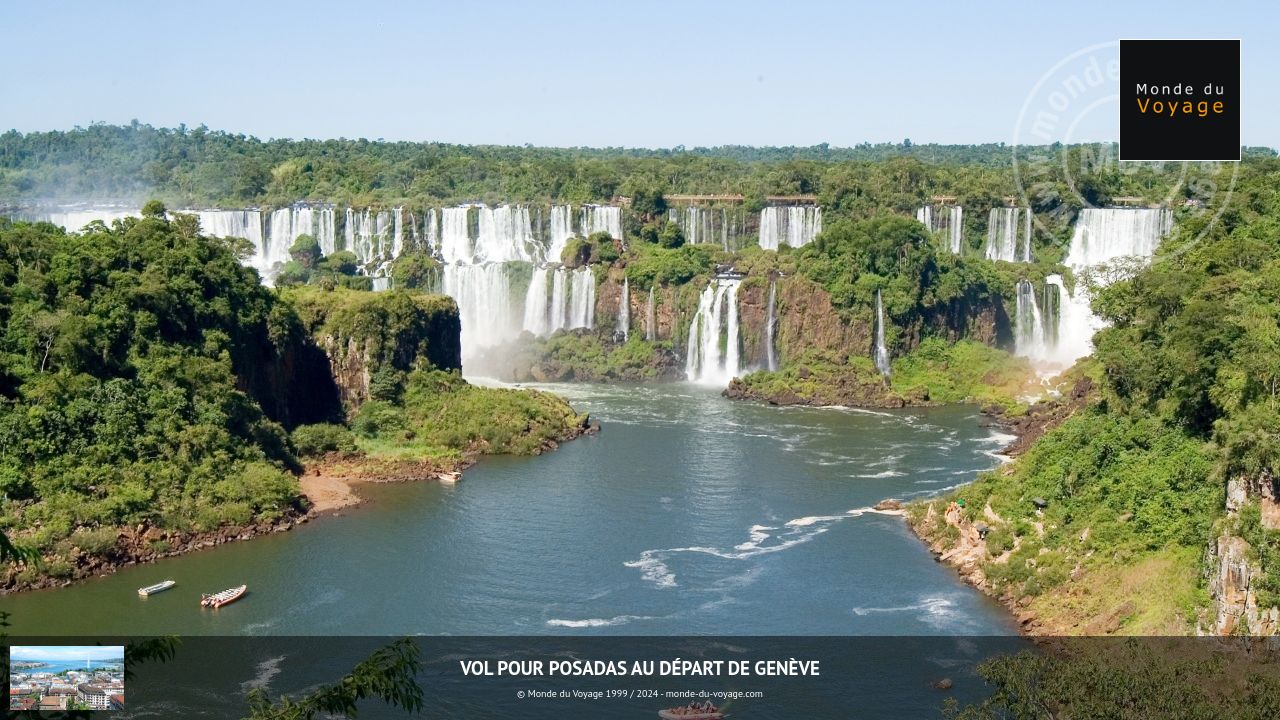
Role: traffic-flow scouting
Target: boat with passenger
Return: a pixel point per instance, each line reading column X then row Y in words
column 219, row 599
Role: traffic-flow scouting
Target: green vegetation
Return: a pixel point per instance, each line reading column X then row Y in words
column 318, row 440
column 396, row 330
column 599, row 248
column 1188, row 400
column 935, row 372
column 122, row 360
column 585, row 357
column 650, row 264
column 147, row 378
column 965, row 371
column 1128, row 678
column 443, row 416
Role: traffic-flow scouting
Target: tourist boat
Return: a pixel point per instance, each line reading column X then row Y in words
column 692, row 712
column 217, row 600
column 157, row 588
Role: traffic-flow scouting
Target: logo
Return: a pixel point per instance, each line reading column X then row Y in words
column 1180, row 100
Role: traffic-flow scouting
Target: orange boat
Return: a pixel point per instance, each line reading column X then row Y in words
column 217, row 600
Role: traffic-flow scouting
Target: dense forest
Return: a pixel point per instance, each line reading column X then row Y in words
column 1132, row 488
column 189, row 167
column 149, row 379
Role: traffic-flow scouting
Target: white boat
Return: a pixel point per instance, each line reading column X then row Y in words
column 158, row 587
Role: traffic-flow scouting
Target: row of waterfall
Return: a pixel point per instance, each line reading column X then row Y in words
column 1009, row 234
column 723, row 226
column 794, row 225
column 945, row 220
column 1055, row 326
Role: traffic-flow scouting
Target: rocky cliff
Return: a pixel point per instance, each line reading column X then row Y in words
column 365, row 334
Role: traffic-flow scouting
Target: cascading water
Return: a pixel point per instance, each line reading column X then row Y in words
column 1002, row 235
column 601, row 218
column 376, row 238
column 559, row 232
column 506, row 235
column 881, row 352
column 560, row 299
column 455, row 235
column 1101, row 236
column 74, row 220
column 623, row 329
column 483, row 294
column 1105, row 234
column 431, row 231
column 650, row 318
column 287, row 224
column 770, row 328
column 947, row 220
column 795, row 225
column 713, row 350
column 709, row 225
column 1029, row 329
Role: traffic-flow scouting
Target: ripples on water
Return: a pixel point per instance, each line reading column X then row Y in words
column 687, row 514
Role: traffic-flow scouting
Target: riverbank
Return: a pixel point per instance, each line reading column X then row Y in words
column 1056, row 570
column 329, row 483
column 482, row 421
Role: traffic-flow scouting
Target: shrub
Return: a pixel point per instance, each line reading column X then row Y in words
column 322, row 438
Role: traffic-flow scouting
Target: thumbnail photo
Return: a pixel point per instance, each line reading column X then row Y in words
column 66, row 677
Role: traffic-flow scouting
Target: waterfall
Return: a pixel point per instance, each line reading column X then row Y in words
column 650, row 317
column 431, row 231
column 881, row 352
column 713, row 350
column 709, row 225
column 795, row 225
column 1002, row 234
column 287, row 224
column 1105, row 234
column 1029, row 327
column 376, row 238
column 1026, row 236
column 560, row 299
column 75, row 220
column 246, row 225
column 560, row 231
column 624, row 311
column 1101, row 236
column 505, row 235
column 455, row 235
column 582, row 298
column 948, row 220
column 924, row 216
column 601, row 218
column 483, row 294
column 770, row 328
column 1073, row 321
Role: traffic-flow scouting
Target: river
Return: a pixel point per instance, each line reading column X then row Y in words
column 687, row 514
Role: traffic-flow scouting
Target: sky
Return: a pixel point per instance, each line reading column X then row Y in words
column 636, row 74
column 66, row 653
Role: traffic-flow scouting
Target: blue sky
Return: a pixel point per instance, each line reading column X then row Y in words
column 66, row 653
column 653, row 74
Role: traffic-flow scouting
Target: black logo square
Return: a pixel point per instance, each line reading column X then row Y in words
column 1179, row 99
